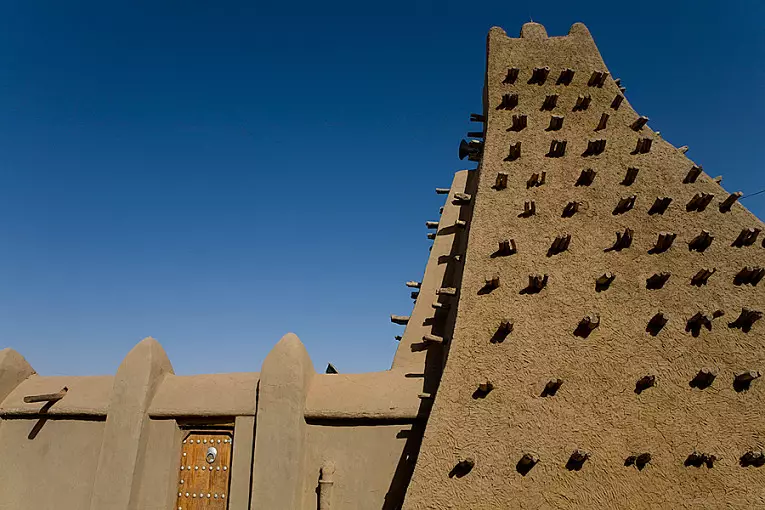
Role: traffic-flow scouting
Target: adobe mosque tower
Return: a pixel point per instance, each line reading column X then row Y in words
column 588, row 333
column 608, row 340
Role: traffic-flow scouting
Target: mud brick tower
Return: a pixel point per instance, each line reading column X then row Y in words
column 608, row 336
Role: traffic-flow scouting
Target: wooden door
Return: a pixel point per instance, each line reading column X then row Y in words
column 205, row 470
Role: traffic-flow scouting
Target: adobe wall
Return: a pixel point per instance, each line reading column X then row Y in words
column 365, row 459
column 116, row 441
column 596, row 409
column 54, row 469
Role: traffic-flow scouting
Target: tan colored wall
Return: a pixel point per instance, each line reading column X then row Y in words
column 56, row 469
column 114, row 441
column 596, row 408
column 365, row 457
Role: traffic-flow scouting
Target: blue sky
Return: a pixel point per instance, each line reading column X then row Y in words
column 216, row 174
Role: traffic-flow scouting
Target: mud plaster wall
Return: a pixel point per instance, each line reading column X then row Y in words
column 348, row 419
column 596, row 408
column 56, row 469
column 365, row 457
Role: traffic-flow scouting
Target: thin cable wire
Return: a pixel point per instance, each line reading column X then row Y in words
column 752, row 194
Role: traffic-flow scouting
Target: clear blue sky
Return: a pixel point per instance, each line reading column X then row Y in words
column 216, row 174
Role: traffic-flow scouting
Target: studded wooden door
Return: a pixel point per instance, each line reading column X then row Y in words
column 205, row 470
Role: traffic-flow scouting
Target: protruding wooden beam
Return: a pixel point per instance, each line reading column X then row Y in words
column 557, row 149
column 743, row 380
column 617, row 101
column 536, row 284
column 659, row 206
column 587, row 325
column 699, row 202
column 512, row 75
column 645, row 382
column 47, row 397
column 442, row 191
column 752, row 458
column 527, row 463
column 565, row 77
column 401, row 320
column 549, row 103
column 623, row 240
column 514, row 152
column 552, row 387
column 536, row 179
column 639, row 123
column 746, row 320
column 413, row 284
column 630, row 176
column 695, row 323
column 529, row 209
column 692, row 175
column 559, row 245
column 506, row 247
column 698, row 459
column 431, row 235
column 639, row 461
column 462, row 198
column 663, row 243
column 656, row 281
column 582, row 102
column 702, row 277
column 462, row 468
column 682, row 149
column 509, row 101
column 490, row 283
column 539, row 75
column 556, row 122
column 586, row 177
column 432, row 339
column 594, row 147
column 602, row 123
column 749, row 276
column 703, row 379
column 625, row 204
column 504, row 329
column 483, row 390
column 656, row 324
column 519, row 123
column 726, row 204
column 577, row 459
column 597, row 79
column 477, row 117
column 570, row 209
column 603, row 282
column 643, row 146
column 431, row 224
column 746, row 237
column 701, row 242
column 501, row 181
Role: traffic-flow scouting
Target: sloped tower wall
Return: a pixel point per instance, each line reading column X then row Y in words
column 598, row 409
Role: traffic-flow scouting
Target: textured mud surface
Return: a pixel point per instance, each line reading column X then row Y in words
column 596, row 409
